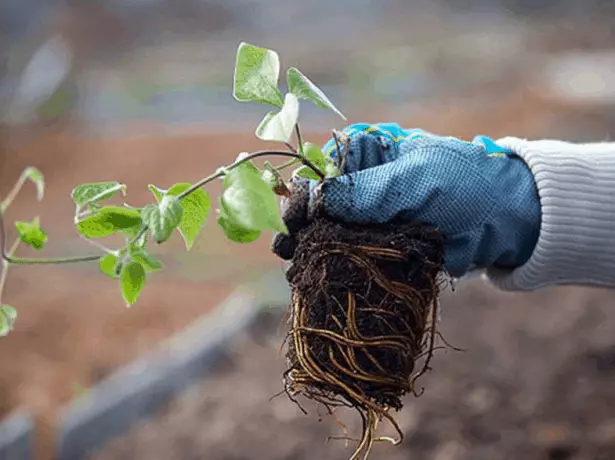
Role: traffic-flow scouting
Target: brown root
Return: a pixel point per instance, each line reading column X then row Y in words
column 363, row 310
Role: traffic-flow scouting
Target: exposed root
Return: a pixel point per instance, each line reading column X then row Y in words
column 364, row 308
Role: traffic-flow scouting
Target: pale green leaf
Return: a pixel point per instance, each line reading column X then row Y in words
column 31, row 234
column 158, row 193
column 331, row 170
column 95, row 192
column 233, row 231
column 149, row 262
column 306, row 172
column 37, row 178
column 279, row 127
column 164, row 218
column 249, row 203
column 8, row 316
column 256, row 76
column 109, row 220
column 108, row 265
column 302, row 87
column 132, row 280
column 314, row 153
column 196, row 209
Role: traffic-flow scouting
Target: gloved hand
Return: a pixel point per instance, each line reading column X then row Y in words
column 480, row 195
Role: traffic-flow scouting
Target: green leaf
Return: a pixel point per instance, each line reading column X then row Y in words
column 158, row 193
column 249, row 203
column 196, row 209
column 271, row 175
column 279, row 127
column 132, row 280
column 324, row 163
column 8, row 315
column 314, row 154
column 233, row 231
column 109, row 220
column 246, row 164
column 302, row 87
column 306, row 172
column 95, row 192
column 257, row 71
column 37, row 178
column 237, row 234
column 31, row 233
column 331, row 170
column 109, row 265
column 164, row 218
column 149, row 262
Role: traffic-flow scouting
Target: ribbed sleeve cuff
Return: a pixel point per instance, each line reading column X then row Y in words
column 576, row 245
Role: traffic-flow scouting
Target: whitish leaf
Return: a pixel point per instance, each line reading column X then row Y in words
column 95, row 192
column 302, row 87
column 38, row 179
column 256, row 76
column 279, row 127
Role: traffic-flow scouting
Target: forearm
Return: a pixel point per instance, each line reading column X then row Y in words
column 576, row 185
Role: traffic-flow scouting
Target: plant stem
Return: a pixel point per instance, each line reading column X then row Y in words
column 13, row 193
column 8, row 258
column 286, row 164
column 299, row 139
column 5, row 268
column 50, row 261
column 291, row 147
column 261, row 153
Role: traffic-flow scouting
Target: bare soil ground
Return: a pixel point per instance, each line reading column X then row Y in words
column 535, row 382
column 73, row 328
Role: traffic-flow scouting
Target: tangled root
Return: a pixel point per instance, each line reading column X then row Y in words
column 363, row 311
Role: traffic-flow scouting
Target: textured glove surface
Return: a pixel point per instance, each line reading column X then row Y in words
column 481, row 196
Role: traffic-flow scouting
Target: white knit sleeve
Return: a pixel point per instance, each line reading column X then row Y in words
column 576, row 245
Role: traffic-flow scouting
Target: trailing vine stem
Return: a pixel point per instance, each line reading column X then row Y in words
column 9, row 259
column 251, row 156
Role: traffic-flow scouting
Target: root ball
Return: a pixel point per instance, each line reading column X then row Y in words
column 363, row 311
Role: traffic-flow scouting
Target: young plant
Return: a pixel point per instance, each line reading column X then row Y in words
column 365, row 297
column 247, row 206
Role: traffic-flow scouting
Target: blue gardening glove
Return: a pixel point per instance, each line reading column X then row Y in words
column 481, row 196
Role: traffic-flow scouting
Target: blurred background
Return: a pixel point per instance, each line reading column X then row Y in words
column 140, row 91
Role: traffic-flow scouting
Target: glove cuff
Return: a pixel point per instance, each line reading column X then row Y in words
column 576, row 245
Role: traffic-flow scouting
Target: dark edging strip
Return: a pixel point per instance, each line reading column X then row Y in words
column 17, row 437
column 138, row 390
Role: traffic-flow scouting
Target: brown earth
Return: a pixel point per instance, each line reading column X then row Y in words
column 535, row 382
column 73, row 328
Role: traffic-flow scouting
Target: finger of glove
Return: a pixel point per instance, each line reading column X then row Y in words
column 431, row 175
column 369, row 146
